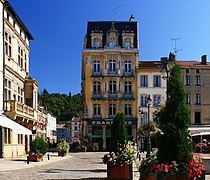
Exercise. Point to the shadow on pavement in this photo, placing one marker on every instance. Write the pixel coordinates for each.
(82, 170)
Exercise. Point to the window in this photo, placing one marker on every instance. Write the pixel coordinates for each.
(7, 90)
(188, 98)
(96, 109)
(112, 87)
(197, 117)
(96, 66)
(156, 81)
(156, 100)
(197, 98)
(97, 87)
(20, 139)
(7, 136)
(8, 44)
(96, 42)
(144, 101)
(197, 71)
(112, 41)
(20, 57)
(187, 71)
(144, 118)
(197, 80)
(128, 87)
(112, 65)
(127, 43)
(112, 109)
(128, 110)
(127, 66)
(144, 81)
(187, 80)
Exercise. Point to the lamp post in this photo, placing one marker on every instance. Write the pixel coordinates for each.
(149, 102)
(165, 64)
(141, 112)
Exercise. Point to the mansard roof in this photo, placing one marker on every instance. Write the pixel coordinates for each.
(105, 26)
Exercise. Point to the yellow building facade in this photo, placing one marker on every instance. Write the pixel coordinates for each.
(109, 85)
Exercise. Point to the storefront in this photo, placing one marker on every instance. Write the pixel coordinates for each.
(100, 133)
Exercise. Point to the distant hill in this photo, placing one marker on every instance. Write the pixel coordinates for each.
(63, 106)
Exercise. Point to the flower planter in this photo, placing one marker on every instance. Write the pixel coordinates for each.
(150, 177)
(118, 171)
(61, 153)
(35, 157)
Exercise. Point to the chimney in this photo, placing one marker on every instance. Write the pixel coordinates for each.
(131, 18)
(203, 60)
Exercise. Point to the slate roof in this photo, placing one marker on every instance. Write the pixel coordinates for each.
(104, 26)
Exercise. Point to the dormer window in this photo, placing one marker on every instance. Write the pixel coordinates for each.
(96, 43)
(128, 40)
(127, 43)
(112, 42)
(96, 40)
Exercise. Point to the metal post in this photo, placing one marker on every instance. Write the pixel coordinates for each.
(48, 156)
(28, 159)
(142, 144)
(148, 136)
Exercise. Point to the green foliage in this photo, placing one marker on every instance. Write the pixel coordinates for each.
(39, 146)
(81, 148)
(63, 147)
(63, 106)
(119, 133)
(174, 121)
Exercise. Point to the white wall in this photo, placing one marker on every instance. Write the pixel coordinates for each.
(1, 57)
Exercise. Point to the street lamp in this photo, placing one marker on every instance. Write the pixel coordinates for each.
(141, 112)
(165, 64)
(149, 102)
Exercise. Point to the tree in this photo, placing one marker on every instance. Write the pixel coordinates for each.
(118, 132)
(174, 120)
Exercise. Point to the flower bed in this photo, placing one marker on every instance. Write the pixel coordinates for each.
(192, 170)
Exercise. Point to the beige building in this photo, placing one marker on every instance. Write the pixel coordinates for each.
(109, 61)
(20, 91)
(196, 83)
(150, 83)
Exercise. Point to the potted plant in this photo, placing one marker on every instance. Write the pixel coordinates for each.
(63, 148)
(119, 165)
(119, 160)
(81, 148)
(38, 148)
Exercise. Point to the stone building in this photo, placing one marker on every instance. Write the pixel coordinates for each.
(18, 90)
(109, 84)
(196, 82)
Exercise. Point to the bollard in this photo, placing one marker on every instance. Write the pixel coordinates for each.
(48, 156)
(28, 159)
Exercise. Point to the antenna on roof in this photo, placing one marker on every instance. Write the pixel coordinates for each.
(176, 50)
(114, 10)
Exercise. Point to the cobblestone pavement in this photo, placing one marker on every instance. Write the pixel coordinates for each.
(84, 166)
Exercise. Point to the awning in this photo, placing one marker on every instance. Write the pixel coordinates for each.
(199, 130)
(15, 127)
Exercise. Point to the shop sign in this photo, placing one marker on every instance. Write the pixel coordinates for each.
(108, 122)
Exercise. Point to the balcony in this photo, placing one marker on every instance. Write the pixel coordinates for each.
(113, 72)
(97, 95)
(96, 74)
(130, 116)
(112, 95)
(99, 116)
(17, 109)
(128, 95)
(128, 74)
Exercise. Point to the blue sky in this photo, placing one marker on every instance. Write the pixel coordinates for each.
(59, 27)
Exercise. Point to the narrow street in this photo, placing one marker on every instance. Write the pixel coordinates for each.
(84, 166)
